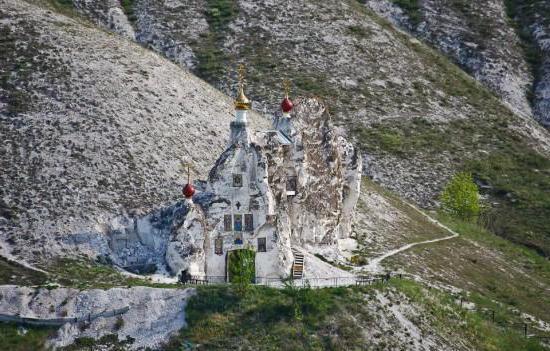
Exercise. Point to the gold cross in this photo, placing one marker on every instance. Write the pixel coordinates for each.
(186, 165)
(241, 70)
(286, 86)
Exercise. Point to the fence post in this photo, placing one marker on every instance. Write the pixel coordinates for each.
(493, 315)
(525, 329)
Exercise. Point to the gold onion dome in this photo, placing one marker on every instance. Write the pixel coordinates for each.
(242, 102)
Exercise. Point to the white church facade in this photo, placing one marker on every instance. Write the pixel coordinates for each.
(280, 193)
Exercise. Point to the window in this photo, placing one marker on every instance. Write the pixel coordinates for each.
(248, 222)
(261, 245)
(227, 223)
(238, 223)
(291, 185)
(238, 240)
(218, 246)
(237, 180)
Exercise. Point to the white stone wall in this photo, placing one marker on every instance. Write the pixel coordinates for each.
(327, 170)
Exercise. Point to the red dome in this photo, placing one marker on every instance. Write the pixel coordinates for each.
(286, 105)
(188, 191)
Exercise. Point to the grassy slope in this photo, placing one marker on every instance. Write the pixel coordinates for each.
(478, 261)
(334, 319)
(14, 273)
(383, 221)
(518, 177)
(483, 263)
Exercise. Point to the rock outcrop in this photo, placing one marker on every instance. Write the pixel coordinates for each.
(482, 39)
(108, 14)
(152, 316)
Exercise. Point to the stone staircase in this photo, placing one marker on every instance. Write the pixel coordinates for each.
(298, 265)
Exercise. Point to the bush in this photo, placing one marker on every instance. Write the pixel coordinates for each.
(460, 198)
(242, 270)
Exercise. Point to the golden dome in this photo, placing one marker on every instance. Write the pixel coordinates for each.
(242, 102)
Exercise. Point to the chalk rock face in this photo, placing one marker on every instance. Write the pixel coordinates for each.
(326, 170)
(185, 251)
(107, 14)
(139, 242)
(288, 188)
(153, 315)
(476, 35)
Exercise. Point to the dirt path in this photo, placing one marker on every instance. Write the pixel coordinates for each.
(374, 264)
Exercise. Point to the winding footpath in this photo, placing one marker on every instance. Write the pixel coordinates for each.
(374, 264)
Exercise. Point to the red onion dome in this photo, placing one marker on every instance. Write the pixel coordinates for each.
(286, 105)
(188, 191)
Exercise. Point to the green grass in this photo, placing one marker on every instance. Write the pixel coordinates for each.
(520, 184)
(331, 319)
(483, 263)
(518, 178)
(212, 61)
(83, 274)
(34, 339)
(525, 258)
(475, 327)
(270, 319)
(14, 273)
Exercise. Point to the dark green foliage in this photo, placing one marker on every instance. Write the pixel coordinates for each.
(212, 61)
(242, 269)
(411, 8)
(68, 3)
(128, 8)
(109, 342)
(34, 339)
(220, 13)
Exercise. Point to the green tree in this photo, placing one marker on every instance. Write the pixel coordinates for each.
(242, 269)
(460, 198)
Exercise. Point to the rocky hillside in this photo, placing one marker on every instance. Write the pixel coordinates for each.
(417, 117)
(93, 126)
(503, 44)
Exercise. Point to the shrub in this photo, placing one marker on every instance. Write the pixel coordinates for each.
(460, 198)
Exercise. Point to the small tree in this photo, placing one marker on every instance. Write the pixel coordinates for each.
(460, 198)
(242, 270)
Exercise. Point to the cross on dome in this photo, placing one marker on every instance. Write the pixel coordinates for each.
(242, 102)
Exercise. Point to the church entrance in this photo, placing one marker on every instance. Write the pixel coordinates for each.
(241, 266)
